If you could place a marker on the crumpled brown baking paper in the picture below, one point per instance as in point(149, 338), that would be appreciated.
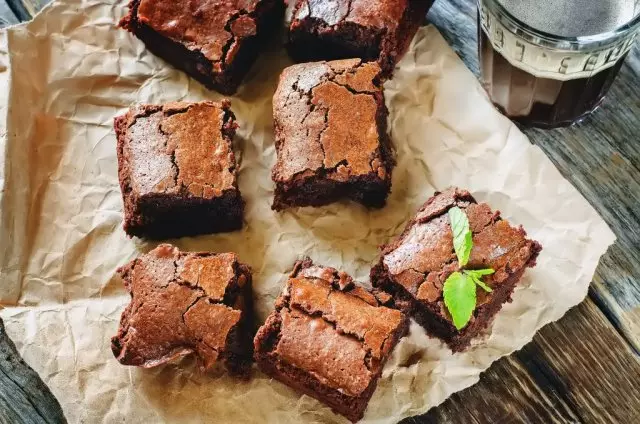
point(71, 71)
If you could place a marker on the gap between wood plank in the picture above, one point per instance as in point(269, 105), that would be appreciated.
point(19, 9)
point(614, 317)
point(506, 393)
point(537, 369)
point(7, 17)
point(22, 391)
point(590, 364)
point(578, 369)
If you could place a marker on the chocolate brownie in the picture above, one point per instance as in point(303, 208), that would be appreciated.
point(414, 267)
point(214, 41)
point(369, 29)
point(177, 170)
point(328, 338)
point(183, 303)
point(331, 135)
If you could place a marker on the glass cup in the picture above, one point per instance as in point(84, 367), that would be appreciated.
point(544, 80)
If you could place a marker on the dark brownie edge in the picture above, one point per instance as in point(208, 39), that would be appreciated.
point(311, 39)
point(237, 357)
point(268, 336)
point(435, 324)
point(317, 190)
point(267, 16)
point(154, 216)
point(396, 45)
point(164, 217)
point(194, 63)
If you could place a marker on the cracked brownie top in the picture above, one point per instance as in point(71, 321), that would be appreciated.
point(214, 28)
point(328, 118)
point(334, 329)
point(423, 257)
point(182, 303)
point(180, 148)
point(383, 14)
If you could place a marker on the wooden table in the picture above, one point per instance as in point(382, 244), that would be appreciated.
point(584, 368)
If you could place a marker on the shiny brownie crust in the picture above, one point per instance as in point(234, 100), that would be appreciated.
point(331, 135)
point(186, 303)
point(328, 338)
point(373, 30)
point(215, 42)
point(413, 268)
point(177, 170)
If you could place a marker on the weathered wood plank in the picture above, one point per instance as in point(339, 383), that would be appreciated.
point(18, 8)
point(456, 21)
point(576, 370)
point(589, 365)
point(24, 398)
point(34, 6)
point(25, 9)
point(602, 160)
point(7, 17)
point(506, 393)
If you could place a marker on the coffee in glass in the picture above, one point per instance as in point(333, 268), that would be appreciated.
point(550, 64)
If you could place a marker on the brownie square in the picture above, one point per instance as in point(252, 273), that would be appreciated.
point(373, 30)
point(328, 338)
point(184, 303)
point(414, 267)
point(214, 41)
point(331, 135)
point(177, 170)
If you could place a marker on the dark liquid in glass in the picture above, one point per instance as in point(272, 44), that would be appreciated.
point(541, 102)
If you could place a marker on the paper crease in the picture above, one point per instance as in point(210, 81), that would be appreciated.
point(61, 238)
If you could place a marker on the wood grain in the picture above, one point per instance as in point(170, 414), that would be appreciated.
point(577, 370)
point(506, 393)
point(24, 398)
point(582, 358)
point(25, 9)
point(7, 17)
point(589, 365)
point(580, 369)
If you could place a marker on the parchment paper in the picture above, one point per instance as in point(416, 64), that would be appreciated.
point(71, 71)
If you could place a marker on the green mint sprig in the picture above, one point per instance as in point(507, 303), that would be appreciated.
point(460, 287)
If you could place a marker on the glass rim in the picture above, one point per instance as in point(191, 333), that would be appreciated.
point(572, 43)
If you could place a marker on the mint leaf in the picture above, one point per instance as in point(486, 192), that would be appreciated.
point(477, 274)
point(480, 272)
point(460, 298)
point(481, 284)
point(462, 236)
